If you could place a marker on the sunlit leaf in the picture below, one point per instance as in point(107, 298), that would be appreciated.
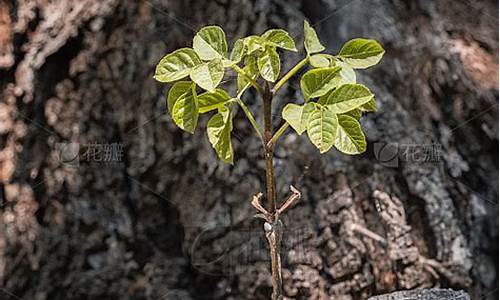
point(317, 82)
point(347, 73)
point(179, 90)
point(349, 139)
point(185, 109)
point(322, 127)
point(321, 60)
point(219, 129)
point(176, 65)
point(279, 38)
point(311, 41)
point(238, 51)
point(208, 75)
point(347, 97)
point(297, 115)
point(212, 100)
point(210, 43)
point(269, 64)
point(254, 43)
point(361, 53)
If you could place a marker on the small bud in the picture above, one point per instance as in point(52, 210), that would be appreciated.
point(267, 227)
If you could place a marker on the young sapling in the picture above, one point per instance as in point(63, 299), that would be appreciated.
point(330, 113)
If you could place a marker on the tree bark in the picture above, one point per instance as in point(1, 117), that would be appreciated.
point(164, 219)
point(443, 294)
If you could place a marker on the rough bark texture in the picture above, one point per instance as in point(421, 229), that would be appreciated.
point(169, 221)
point(429, 294)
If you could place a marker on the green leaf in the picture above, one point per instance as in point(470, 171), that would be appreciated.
point(251, 69)
point(311, 41)
point(269, 64)
point(219, 129)
point(347, 97)
point(208, 75)
point(322, 127)
point(212, 100)
point(349, 138)
point(254, 43)
point(298, 115)
point(210, 43)
point(179, 90)
point(323, 99)
point(369, 106)
point(355, 113)
point(185, 109)
point(317, 82)
point(238, 51)
point(176, 65)
point(226, 63)
point(279, 38)
point(361, 53)
point(347, 73)
point(321, 60)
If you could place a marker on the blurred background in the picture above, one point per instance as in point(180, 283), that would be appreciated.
point(102, 197)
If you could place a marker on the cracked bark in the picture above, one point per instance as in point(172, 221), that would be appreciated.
point(147, 228)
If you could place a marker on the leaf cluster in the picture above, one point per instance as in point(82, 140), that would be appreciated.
point(333, 101)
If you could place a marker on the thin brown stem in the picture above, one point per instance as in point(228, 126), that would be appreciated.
point(269, 151)
point(274, 234)
point(273, 227)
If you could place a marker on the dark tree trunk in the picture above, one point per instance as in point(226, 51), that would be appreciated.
point(167, 220)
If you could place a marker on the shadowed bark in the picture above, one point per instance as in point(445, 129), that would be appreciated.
point(164, 219)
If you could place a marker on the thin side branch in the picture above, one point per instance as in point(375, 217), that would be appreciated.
point(250, 118)
point(289, 75)
point(240, 93)
point(294, 198)
point(249, 78)
point(259, 207)
point(277, 135)
point(272, 141)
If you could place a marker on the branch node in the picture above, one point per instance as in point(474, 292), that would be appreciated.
point(256, 203)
